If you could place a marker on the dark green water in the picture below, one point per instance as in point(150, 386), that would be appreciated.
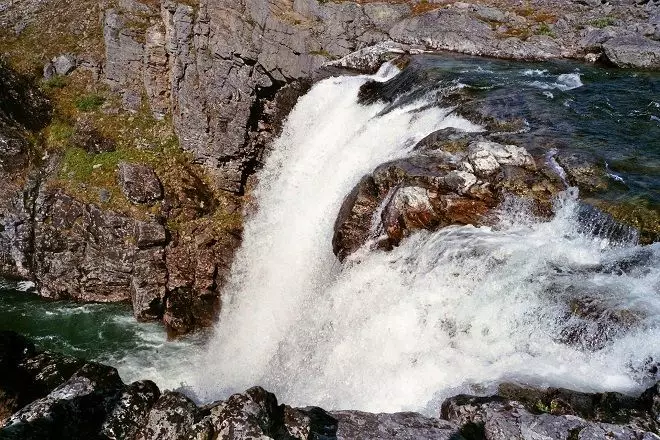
point(612, 114)
point(106, 333)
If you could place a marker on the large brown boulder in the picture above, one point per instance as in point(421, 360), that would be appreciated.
point(451, 178)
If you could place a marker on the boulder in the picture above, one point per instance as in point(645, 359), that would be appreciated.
point(583, 170)
point(171, 418)
point(518, 412)
point(75, 409)
point(634, 51)
point(139, 183)
point(130, 412)
point(28, 374)
point(64, 64)
point(450, 178)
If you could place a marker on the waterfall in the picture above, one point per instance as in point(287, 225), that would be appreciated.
point(449, 311)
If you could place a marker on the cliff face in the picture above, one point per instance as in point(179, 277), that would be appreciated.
point(213, 64)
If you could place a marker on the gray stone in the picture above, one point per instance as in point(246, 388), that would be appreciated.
point(64, 64)
point(171, 418)
point(357, 425)
point(75, 409)
point(129, 414)
point(636, 51)
point(139, 183)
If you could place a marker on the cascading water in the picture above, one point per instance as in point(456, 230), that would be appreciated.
point(552, 303)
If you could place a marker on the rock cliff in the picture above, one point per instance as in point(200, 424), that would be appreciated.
point(214, 64)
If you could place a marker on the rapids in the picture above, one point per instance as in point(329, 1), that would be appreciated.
point(573, 302)
point(457, 310)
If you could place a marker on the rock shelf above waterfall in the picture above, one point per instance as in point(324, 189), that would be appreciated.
point(451, 178)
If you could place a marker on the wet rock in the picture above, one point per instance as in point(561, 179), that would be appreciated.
point(139, 183)
point(354, 222)
point(369, 59)
point(129, 413)
point(405, 426)
point(450, 179)
point(171, 418)
point(520, 413)
point(13, 382)
point(250, 415)
point(651, 400)
point(309, 423)
point(409, 208)
point(583, 170)
point(198, 260)
point(591, 323)
point(75, 409)
point(28, 374)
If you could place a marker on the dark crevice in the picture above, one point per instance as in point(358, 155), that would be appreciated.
point(263, 95)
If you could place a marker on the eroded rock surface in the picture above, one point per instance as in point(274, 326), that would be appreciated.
point(452, 178)
point(88, 400)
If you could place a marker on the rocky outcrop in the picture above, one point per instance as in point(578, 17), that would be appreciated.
point(168, 253)
point(633, 51)
point(85, 253)
point(23, 108)
point(139, 183)
point(45, 395)
point(452, 178)
point(215, 65)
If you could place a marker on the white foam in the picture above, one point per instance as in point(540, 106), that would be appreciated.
point(535, 72)
point(564, 82)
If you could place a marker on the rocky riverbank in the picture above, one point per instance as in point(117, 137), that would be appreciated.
point(48, 395)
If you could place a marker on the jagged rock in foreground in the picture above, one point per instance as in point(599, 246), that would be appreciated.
point(46, 395)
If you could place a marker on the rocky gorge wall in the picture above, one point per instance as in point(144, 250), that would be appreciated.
point(214, 63)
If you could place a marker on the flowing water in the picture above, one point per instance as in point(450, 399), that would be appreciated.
point(561, 302)
point(106, 333)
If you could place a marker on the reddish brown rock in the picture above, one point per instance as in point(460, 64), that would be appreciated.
point(455, 181)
